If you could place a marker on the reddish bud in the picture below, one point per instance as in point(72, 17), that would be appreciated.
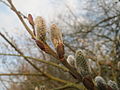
point(109, 88)
point(60, 50)
point(30, 19)
point(40, 45)
point(87, 81)
point(43, 46)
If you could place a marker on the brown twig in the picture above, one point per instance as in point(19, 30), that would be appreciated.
point(40, 60)
point(21, 19)
point(35, 67)
point(20, 74)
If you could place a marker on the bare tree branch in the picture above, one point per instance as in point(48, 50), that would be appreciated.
point(44, 73)
point(21, 19)
point(20, 74)
point(40, 60)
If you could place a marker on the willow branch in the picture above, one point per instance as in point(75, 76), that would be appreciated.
point(68, 85)
point(5, 3)
point(63, 87)
point(44, 74)
point(40, 60)
point(33, 65)
point(21, 19)
point(21, 53)
point(75, 73)
point(20, 74)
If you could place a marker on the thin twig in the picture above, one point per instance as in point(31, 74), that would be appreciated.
point(20, 74)
point(67, 45)
point(5, 3)
point(40, 60)
point(63, 87)
point(21, 19)
point(33, 65)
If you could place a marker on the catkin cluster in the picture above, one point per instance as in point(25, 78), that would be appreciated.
point(79, 62)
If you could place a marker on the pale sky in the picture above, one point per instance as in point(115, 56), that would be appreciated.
point(45, 8)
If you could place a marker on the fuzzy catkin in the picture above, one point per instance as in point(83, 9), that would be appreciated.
point(113, 85)
point(71, 60)
point(81, 63)
point(101, 83)
point(56, 35)
point(40, 27)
